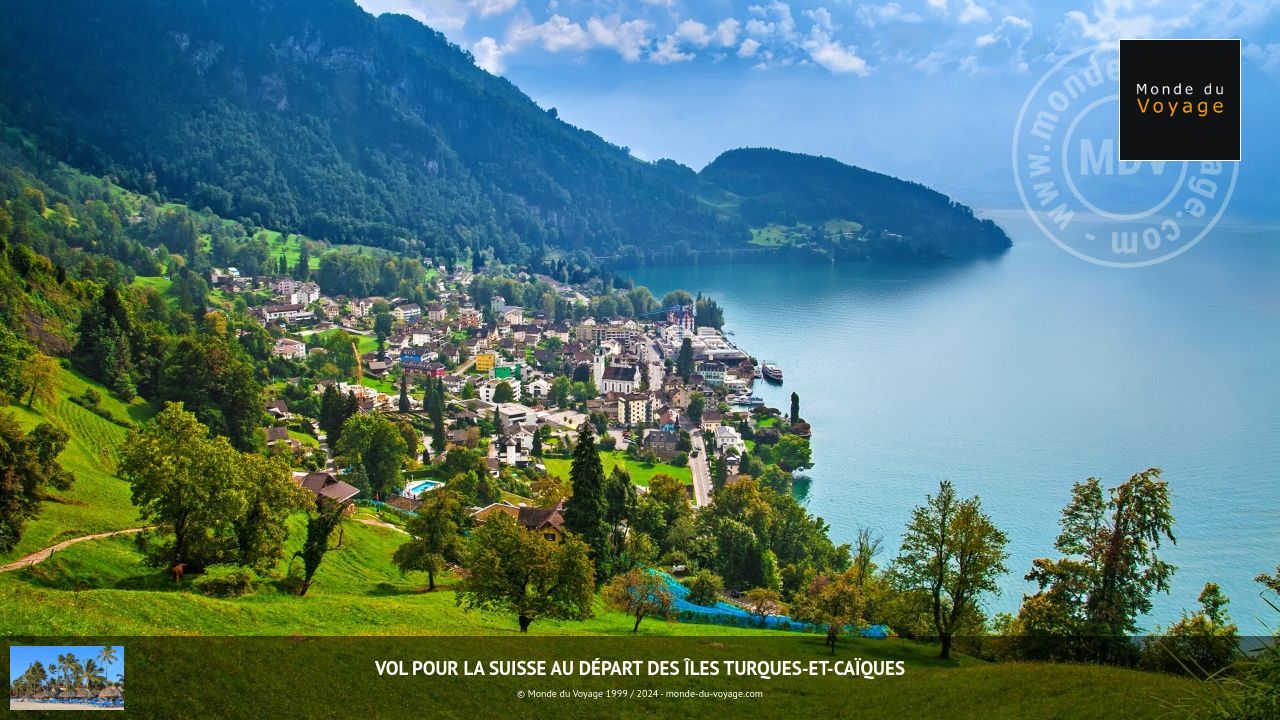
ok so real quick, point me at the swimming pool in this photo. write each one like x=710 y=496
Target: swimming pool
x=418 y=487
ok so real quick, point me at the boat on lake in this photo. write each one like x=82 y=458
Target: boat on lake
x=771 y=372
x=749 y=400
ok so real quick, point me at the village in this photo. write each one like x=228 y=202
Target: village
x=664 y=396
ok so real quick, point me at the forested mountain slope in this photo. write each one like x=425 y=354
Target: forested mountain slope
x=313 y=116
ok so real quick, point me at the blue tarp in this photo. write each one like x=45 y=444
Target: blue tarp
x=723 y=613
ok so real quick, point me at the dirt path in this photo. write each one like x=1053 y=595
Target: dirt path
x=40 y=556
x=380 y=523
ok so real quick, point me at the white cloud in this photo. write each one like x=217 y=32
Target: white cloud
x=630 y=39
x=973 y=12
x=488 y=8
x=488 y=54
x=1004 y=46
x=832 y=55
x=774 y=19
x=933 y=62
x=726 y=33
x=692 y=32
x=556 y=34
x=1266 y=56
x=748 y=48
x=822 y=17
x=874 y=15
x=669 y=52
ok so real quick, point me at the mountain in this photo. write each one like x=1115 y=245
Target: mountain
x=313 y=116
x=772 y=187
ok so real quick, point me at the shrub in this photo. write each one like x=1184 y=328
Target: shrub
x=233 y=584
x=704 y=588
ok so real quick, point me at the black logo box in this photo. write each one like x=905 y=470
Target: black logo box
x=1185 y=64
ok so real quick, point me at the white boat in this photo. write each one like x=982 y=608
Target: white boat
x=771 y=372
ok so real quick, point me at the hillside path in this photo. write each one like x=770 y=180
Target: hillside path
x=380 y=523
x=40 y=556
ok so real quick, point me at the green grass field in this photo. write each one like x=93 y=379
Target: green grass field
x=98 y=501
x=102 y=587
x=641 y=473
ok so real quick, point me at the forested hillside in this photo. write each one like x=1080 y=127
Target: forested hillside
x=312 y=116
x=896 y=217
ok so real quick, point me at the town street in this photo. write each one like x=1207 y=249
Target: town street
x=701 y=472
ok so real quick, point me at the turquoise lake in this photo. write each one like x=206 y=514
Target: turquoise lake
x=1016 y=377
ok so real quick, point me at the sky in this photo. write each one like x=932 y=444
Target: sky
x=926 y=90
x=21 y=657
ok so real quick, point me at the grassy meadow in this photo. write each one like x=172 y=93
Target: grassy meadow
x=641 y=472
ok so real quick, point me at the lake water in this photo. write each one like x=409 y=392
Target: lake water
x=1016 y=377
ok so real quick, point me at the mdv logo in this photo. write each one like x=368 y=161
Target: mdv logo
x=1107 y=211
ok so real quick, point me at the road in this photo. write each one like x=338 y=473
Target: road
x=653 y=360
x=41 y=555
x=701 y=472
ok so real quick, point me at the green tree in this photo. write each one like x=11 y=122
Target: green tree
x=795 y=408
x=561 y=391
x=684 y=360
x=375 y=444
x=1090 y=598
x=320 y=528
x=586 y=510
x=835 y=601
x=953 y=553
x=1202 y=644
x=435 y=535
x=536 y=448
x=503 y=393
x=302 y=270
x=213 y=377
x=515 y=570
x=335 y=410
x=404 y=394
x=104 y=348
x=40 y=374
x=640 y=593
x=209 y=502
x=28 y=466
x=697 y=406
x=763 y=602
x=792 y=453
x=705 y=588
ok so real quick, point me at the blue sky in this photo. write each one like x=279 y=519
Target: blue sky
x=21 y=657
x=922 y=89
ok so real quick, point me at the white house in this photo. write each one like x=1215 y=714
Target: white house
x=727 y=438
x=487 y=388
x=290 y=348
x=539 y=389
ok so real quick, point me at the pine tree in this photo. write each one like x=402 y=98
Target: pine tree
x=795 y=408
x=404 y=393
x=684 y=361
x=585 y=511
x=302 y=271
x=719 y=472
x=436 y=410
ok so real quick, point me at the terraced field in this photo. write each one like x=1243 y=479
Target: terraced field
x=98 y=501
